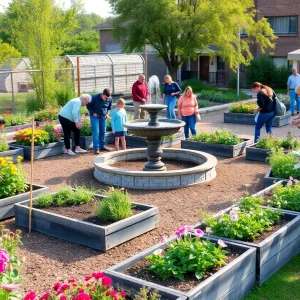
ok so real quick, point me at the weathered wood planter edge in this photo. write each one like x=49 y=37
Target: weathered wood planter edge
x=274 y=251
x=7 y=209
x=16 y=127
x=13 y=152
x=218 y=149
x=88 y=234
x=233 y=281
x=269 y=180
x=248 y=119
x=87 y=141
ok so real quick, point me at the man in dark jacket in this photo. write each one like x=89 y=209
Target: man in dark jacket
x=139 y=96
x=99 y=109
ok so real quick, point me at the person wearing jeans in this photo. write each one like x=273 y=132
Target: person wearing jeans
x=266 y=108
x=171 y=90
x=99 y=109
x=187 y=110
x=292 y=83
x=69 y=117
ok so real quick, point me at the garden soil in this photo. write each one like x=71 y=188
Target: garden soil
x=48 y=259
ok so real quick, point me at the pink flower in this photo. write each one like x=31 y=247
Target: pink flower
x=188 y=227
x=30 y=296
x=56 y=286
x=10 y=287
x=65 y=287
x=290 y=182
x=45 y=296
x=123 y=294
x=113 y=293
x=208 y=230
x=3 y=267
x=60 y=291
x=63 y=297
x=291 y=178
x=98 y=275
x=81 y=290
x=82 y=296
x=234 y=217
x=71 y=280
x=163 y=239
x=199 y=233
x=222 y=244
x=4 y=256
x=106 y=281
x=87 y=278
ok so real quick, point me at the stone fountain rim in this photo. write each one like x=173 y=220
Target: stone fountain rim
x=161 y=121
x=100 y=163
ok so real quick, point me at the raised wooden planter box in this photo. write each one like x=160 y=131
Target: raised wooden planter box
x=256 y=154
x=86 y=142
x=217 y=149
x=7 y=209
x=13 y=152
x=42 y=151
x=270 y=180
x=17 y=127
x=233 y=281
x=140 y=142
x=88 y=234
x=248 y=119
x=276 y=250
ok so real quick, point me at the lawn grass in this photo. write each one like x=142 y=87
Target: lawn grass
x=6 y=102
x=284 y=285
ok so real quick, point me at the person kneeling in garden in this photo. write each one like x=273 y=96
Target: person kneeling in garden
x=69 y=118
x=118 y=118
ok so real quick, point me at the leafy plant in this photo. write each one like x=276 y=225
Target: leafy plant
x=66 y=196
x=170 y=137
x=32 y=103
x=282 y=164
x=54 y=132
x=3 y=142
x=115 y=206
x=86 y=127
x=218 y=137
x=12 y=178
x=245 y=108
x=270 y=142
x=204 y=103
x=48 y=114
x=286 y=196
x=23 y=137
x=244 y=222
x=63 y=94
x=187 y=255
x=15 y=119
x=290 y=143
x=223 y=96
x=194 y=83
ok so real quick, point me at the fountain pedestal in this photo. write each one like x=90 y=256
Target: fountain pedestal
x=154 y=153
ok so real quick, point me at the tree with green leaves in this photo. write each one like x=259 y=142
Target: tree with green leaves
x=183 y=29
x=7 y=52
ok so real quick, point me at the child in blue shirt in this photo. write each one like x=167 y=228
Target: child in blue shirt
x=118 y=118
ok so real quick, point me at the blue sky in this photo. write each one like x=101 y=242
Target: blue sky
x=100 y=7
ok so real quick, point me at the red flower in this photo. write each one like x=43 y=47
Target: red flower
x=82 y=296
x=87 y=278
x=123 y=294
x=98 y=275
x=45 y=296
x=81 y=290
x=65 y=287
x=106 y=281
x=71 y=280
x=63 y=298
x=56 y=286
x=30 y=296
x=113 y=293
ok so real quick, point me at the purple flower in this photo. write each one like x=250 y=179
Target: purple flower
x=188 y=227
x=222 y=244
x=4 y=256
x=199 y=233
x=233 y=217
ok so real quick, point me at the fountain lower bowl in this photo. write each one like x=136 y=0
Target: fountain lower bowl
x=204 y=171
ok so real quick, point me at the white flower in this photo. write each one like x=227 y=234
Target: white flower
x=158 y=252
x=234 y=217
x=285 y=202
x=222 y=244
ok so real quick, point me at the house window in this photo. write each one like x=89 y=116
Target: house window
x=220 y=64
x=243 y=32
x=280 y=61
x=284 y=25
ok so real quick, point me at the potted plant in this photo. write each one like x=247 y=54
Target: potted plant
x=220 y=142
x=14 y=121
x=50 y=114
x=47 y=141
x=260 y=150
x=190 y=265
x=13 y=186
x=105 y=221
x=243 y=113
x=281 y=167
x=9 y=151
x=273 y=233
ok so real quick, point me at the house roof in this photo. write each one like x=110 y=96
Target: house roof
x=294 y=55
x=103 y=26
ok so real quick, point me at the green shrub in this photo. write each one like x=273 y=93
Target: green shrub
x=270 y=142
x=195 y=84
x=245 y=108
x=48 y=114
x=63 y=95
x=232 y=82
x=204 y=103
x=244 y=222
x=15 y=119
x=115 y=206
x=33 y=104
x=222 y=96
x=170 y=137
x=224 y=137
x=3 y=142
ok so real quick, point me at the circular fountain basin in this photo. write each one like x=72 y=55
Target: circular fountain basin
x=204 y=171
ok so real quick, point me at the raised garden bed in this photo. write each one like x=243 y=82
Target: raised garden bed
x=217 y=149
x=7 y=209
x=270 y=180
x=275 y=250
x=140 y=142
x=257 y=154
x=100 y=237
x=17 y=127
x=42 y=151
x=248 y=119
x=38 y=123
x=233 y=281
x=13 y=152
x=86 y=142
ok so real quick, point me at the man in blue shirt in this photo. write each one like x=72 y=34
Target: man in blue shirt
x=292 y=83
x=99 y=109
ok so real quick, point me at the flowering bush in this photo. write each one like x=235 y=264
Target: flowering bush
x=86 y=127
x=54 y=132
x=3 y=143
x=270 y=142
x=23 y=137
x=282 y=164
x=187 y=255
x=218 y=137
x=9 y=264
x=96 y=286
x=286 y=196
x=48 y=114
x=244 y=222
x=14 y=120
x=12 y=178
x=244 y=108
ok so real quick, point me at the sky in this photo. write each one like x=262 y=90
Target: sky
x=100 y=7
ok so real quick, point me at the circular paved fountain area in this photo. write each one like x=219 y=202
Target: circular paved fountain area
x=162 y=180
